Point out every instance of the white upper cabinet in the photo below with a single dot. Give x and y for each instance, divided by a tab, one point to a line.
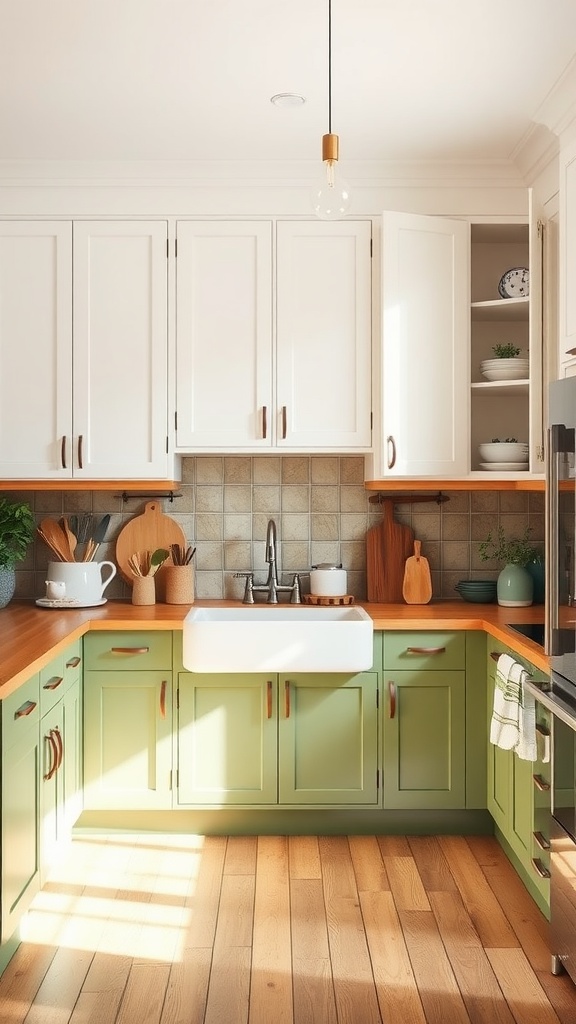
567	263
120	350
83	350
425	347
273	354
35	348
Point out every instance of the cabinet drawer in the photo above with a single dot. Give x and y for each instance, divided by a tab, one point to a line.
130	649
433	650
20	710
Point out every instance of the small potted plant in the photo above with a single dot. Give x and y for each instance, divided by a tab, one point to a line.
507	363
515	586
16	533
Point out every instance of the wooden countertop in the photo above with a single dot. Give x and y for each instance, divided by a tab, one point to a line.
31	636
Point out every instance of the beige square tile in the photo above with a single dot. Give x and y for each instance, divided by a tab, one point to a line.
484	501
266	469
81	501
324	527
455	526
295	556
295	498
209	499
209	469
513	501
237	555
356	585
209	527
26	586
183	503
432	550
237	498
481	524
325	499
537	528
266	498
188	472
436	581
324	469
209	586
295	469
295	527
536	501
448	582
352	469
186	523
459	501
514	525
353	527
238	470
325	551
426	527
47	502
456	556
353	499
482	566
233	588
208	556
353	556
238	527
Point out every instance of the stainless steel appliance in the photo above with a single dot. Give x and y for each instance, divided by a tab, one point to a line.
560	645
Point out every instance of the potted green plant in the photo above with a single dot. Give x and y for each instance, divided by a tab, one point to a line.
16	533
515	585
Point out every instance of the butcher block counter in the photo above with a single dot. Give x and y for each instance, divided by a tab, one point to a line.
31	636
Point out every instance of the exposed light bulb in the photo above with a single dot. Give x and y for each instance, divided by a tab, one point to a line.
331	196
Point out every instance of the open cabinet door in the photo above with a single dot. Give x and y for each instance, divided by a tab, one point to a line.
537	375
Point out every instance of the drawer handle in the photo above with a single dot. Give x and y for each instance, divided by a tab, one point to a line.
163	699
425	650
392	697
264	422
53	756
391	445
287	698
80	452
284	423
63	452
541	783
539	868
269	699
74	662
25	709
53	683
59	747
540	840
130	650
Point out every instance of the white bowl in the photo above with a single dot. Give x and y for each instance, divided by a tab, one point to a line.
503	451
504	369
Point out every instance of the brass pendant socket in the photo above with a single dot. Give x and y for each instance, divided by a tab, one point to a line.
330	147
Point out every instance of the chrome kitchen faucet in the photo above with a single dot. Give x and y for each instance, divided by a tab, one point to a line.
272	587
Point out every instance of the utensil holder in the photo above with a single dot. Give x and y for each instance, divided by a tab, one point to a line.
144	590
179	584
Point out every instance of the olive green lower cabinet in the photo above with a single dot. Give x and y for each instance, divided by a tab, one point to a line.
259	739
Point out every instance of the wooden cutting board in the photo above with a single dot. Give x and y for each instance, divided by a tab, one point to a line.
417	586
147	532
388	545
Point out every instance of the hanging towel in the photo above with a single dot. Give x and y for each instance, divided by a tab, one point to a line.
513	724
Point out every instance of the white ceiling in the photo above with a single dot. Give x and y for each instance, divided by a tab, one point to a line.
413	80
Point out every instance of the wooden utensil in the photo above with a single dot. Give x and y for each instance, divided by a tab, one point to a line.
147	532
70	536
417	586
388	545
56	539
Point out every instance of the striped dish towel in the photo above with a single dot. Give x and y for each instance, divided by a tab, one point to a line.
513	723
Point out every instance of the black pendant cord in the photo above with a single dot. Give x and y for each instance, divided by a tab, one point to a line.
329	67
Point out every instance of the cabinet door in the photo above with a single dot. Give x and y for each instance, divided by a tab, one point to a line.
567	261
20	876
35	349
120	349
424	739
71	767
227	739
127	740
224	335
425	346
52	790
323	315
328	739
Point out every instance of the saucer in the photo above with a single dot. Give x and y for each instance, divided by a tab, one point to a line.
68	602
505	466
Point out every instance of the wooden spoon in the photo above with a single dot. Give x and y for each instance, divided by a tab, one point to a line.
56	539
70	537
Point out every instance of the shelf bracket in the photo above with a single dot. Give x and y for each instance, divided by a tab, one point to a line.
137	495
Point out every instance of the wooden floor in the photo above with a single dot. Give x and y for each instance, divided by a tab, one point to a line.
272	930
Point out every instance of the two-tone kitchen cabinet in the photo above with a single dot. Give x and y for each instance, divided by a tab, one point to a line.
273	336
128	720
297	740
518	795
83	343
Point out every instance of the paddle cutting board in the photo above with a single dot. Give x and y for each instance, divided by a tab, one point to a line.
388	545
146	532
417	586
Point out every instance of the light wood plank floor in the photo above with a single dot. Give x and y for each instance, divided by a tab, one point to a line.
161	929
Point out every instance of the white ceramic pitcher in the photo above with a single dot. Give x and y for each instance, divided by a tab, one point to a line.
85	581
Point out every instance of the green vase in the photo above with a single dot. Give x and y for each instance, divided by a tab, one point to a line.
515	587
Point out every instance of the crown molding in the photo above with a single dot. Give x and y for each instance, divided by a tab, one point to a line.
535	152
558	110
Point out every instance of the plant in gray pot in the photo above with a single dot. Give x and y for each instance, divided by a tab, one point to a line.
515	585
16	533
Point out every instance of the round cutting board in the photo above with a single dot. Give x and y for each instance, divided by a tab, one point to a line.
147	532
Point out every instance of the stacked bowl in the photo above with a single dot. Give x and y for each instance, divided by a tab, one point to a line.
504	455
505	369
478	591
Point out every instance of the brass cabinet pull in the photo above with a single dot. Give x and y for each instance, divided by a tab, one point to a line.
264	421
25	709
74	662
540	840
391	445
541	783
53	683
539	868
53	758
571	351
284	423
80	447
425	650
130	650
287	698
163	699
269	699
392	696
59	748
63	452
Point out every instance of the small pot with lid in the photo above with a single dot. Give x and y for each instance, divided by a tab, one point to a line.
328	580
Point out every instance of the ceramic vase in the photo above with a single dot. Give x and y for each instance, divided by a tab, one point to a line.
7	585
515	587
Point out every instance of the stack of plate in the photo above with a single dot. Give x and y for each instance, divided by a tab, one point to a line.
505	456
479	591
505	369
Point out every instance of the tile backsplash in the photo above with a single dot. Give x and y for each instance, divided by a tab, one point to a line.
322	512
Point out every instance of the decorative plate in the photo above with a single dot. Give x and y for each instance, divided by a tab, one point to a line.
515	283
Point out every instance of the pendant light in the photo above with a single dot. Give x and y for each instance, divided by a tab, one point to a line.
331	196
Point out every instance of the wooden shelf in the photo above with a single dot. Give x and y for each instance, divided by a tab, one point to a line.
477	482
488	388
504	310
164	486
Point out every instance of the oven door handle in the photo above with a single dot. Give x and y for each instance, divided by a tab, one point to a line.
558	707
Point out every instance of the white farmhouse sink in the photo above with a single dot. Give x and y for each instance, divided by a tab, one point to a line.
278	638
